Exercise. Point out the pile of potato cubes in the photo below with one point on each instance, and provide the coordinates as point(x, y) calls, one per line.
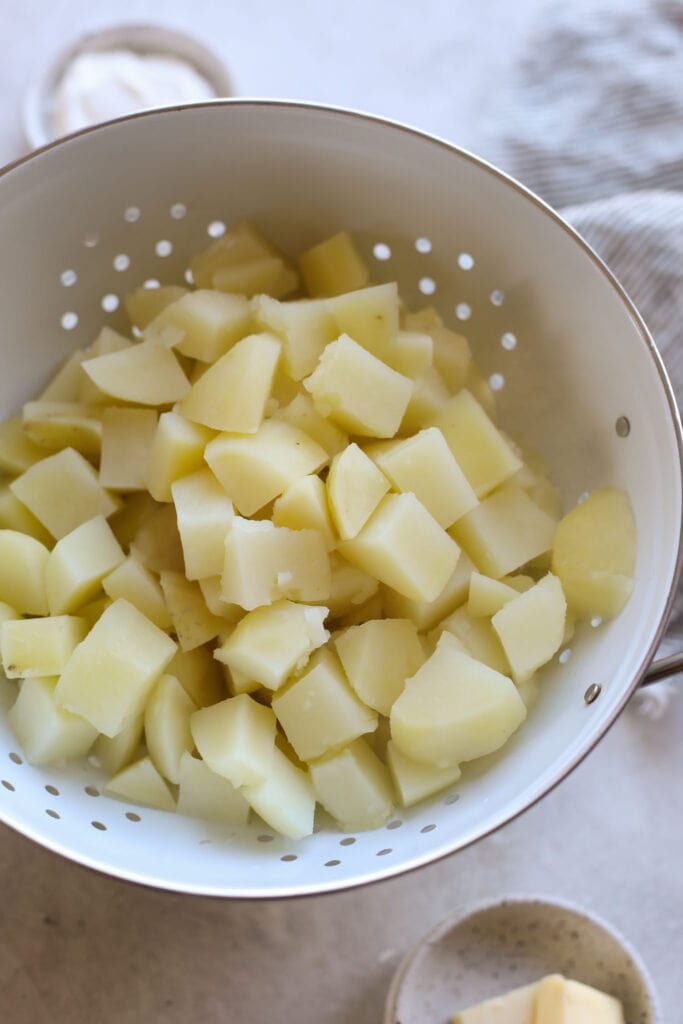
point(269, 555)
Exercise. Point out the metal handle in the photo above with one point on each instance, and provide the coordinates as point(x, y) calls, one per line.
point(664, 668)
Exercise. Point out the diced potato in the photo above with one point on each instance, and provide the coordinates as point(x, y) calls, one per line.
point(283, 391)
point(144, 304)
point(156, 542)
point(142, 784)
point(484, 456)
point(17, 451)
point(35, 648)
point(193, 623)
point(128, 519)
point(531, 627)
point(504, 532)
point(319, 711)
point(232, 394)
point(106, 343)
point(112, 753)
point(304, 328)
point(412, 353)
point(199, 675)
point(488, 596)
point(22, 580)
point(333, 267)
point(236, 738)
point(478, 638)
point(108, 682)
point(414, 781)
point(285, 799)
point(520, 582)
point(426, 614)
point(65, 384)
point(354, 787)
point(359, 391)
point(146, 374)
point(405, 548)
point(78, 563)
point(430, 395)
point(47, 733)
point(15, 516)
point(127, 436)
point(268, 274)
point(355, 487)
point(370, 317)
point(351, 587)
point(546, 496)
point(56, 425)
point(62, 492)
point(424, 464)
point(516, 1007)
point(452, 356)
point(7, 614)
point(167, 726)
point(373, 608)
point(455, 709)
point(264, 563)
point(561, 1001)
point(177, 449)
point(134, 583)
point(210, 587)
point(304, 506)
point(236, 682)
point(255, 468)
point(203, 794)
point(302, 413)
point(93, 610)
point(242, 245)
point(594, 554)
point(205, 515)
point(378, 657)
point(270, 643)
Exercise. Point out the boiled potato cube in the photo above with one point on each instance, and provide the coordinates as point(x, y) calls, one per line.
point(304, 506)
point(133, 582)
point(199, 675)
point(531, 627)
point(210, 587)
point(142, 784)
point(359, 391)
point(519, 582)
point(426, 614)
point(56, 425)
point(47, 733)
point(424, 464)
point(484, 455)
point(106, 343)
point(561, 1001)
point(333, 267)
point(205, 515)
point(65, 384)
point(112, 753)
point(430, 395)
point(106, 681)
point(62, 492)
point(193, 623)
point(268, 274)
point(455, 709)
point(504, 532)
point(488, 596)
point(93, 610)
point(34, 648)
point(167, 726)
point(203, 794)
point(285, 799)
point(264, 563)
point(242, 244)
point(594, 554)
point(302, 413)
point(17, 451)
point(78, 563)
point(146, 374)
point(209, 323)
point(304, 328)
point(451, 356)
point(7, 614)
point(127, 436)
point(404, 547)
point(478, 638)
point(236, 738)
point(351, 587)
point(319, 711)
point(144, 304)
point(355, 487)
point(411, 353)
point(232, 394)
point(378, 657)
point(15, 516)
point(177, 449)
point(373, 608)
point(255, 468)
point(270, 643)
point(414, 781)
point(370, 317)
point(156, 542)
point(516, 1007)
point(22, 580)
point(129, 518)
point(354, 787)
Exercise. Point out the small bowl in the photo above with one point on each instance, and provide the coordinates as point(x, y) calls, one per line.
point(493, 947)
point(146, 39)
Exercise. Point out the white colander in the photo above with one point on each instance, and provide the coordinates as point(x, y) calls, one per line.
point(577, 376)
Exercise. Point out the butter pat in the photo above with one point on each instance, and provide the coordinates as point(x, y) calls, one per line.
point(516, 1007)
point(559, 1001)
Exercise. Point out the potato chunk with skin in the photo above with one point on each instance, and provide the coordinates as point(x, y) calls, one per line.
point(208, 322)
point(112, 753)
point(488, 596)
point(346, 384)
point(142, 784)
point(144, 304)
point(62, 492)
point(203, 794)
point(355, 487)
point(106, 680)
point(47, 733)
point(22, 580)
point(17, 451)
point(199, 675)
point(354, 787)
point(304, 328)
point(193, 623)
point(333, 267)
point(167, 726)
point(594, 553)
point(15, 516)
point(301, 413)
point(285, 799)
point(483, 454)
point(414, 781)
point(56, 425)
point(268, 644)
point(78, 563)
point(531, 627)
point(319, 711)
point(127, 436)
point(136, 584)
point(378, 657)
point(304, 506)
point(35, 648)
point(402, 546)
point(370, 317)
point(177, 449)
point(205, 515)
point(146, 374)
point(427, 614)
point(455, 709)
point(478, 638)
point(255, 468)
point(236, 738)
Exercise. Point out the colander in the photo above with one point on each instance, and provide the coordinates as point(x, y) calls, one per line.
point(576, 375)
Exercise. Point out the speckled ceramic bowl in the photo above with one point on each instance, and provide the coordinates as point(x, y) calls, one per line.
point(494, 947)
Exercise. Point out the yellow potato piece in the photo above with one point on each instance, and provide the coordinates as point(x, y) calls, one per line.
point(167, 726)
point(22, 580)
point(355, 487)
point(478, 638)
point(487, 596)
point(370, 317)
point(239, 247)
point(301, 413)
point(412, 353)
point(452, 356)
point(483, 454)
point(34, 648)
point(141, 588)
point(15, 516)
point(285, 799)
point(55, 425)
point(531, 627)
point(354, 787)
point(426, 614)
point(304, 328)
point(177, 449)
point(193, 623)
point(208, 322)
point(127, 436)
point(47, 734)
point(203, 794)
point(205, 515)
point(414, 781)
point(65, 384)
point(430, 396)
point(304, 506)
point(560, 1001)
point(236, 738)
point(333, 267)
point(144, 304)
point(142, 784)
point(146, 374)
point(78, 563)
point(17, 451)
point(351, 587)
point(199, 675)
point(112, 753)
point(516, 1007)
point(156, 541)
point(378, 656)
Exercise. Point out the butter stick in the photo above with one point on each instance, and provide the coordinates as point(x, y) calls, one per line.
point(559, 1001)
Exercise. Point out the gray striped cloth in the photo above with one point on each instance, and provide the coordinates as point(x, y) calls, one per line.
point(593, 122)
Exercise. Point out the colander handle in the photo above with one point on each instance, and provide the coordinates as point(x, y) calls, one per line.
point(663, 668)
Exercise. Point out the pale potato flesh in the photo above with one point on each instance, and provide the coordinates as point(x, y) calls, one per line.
point(78, 564)
point(355, 487)
point(236, 738)
point(531, 627)
point(33, 648)
point(141, 783)
point(354, 786)
point(47, 733)
point(203, 794)
point(378, 656)
point(167, 726)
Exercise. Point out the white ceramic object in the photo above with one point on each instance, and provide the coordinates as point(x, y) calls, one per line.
point(80, 224)
point(492, 948)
